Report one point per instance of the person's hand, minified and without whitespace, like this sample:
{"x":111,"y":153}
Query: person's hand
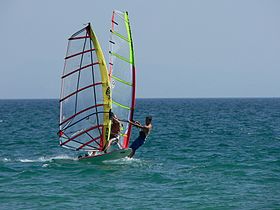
{"x":111,"y":115}
{"x":137,"y":122}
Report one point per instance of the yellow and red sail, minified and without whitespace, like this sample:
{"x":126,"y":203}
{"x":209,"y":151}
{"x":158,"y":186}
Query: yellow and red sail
{"x":85,"y":99}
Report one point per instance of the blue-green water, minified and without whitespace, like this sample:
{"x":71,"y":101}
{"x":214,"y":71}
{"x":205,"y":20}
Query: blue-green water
{"x":201,"y":154}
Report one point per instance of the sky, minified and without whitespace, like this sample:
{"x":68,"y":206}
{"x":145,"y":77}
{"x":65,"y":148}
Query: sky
{"x":183,"y":48}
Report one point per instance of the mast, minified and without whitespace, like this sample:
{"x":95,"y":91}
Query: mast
{"x":131,"y":55}
{"x":105,"y":87}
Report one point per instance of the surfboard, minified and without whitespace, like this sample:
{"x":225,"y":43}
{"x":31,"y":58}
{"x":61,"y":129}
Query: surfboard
{"x":114,"y":155}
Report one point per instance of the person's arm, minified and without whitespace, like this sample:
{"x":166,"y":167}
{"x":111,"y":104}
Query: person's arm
{"x":116,"y":119}
{"x":136,"y":123}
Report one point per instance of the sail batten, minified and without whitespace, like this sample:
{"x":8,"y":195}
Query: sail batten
{"x":79,"y":53}
{"x":122,"y":81}
{"x":81,"y":37}
{"x":79,"y":69}
{"x":81,"y":89}
{"x":121,"y":36}
{"x":121,"y":57}
{"x":121,"y":105}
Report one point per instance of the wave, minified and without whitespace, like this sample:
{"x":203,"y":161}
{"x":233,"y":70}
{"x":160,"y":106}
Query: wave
{"x":48,"y":159}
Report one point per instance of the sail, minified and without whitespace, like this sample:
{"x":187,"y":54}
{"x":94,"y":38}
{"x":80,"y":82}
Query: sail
{"x":85,"y":99}
{"x":122,"y":72}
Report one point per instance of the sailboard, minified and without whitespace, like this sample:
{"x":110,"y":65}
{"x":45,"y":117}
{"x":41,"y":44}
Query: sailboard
{"x":90,"y":92}
{"x":113,"y":155}
{"x":85,"y":99}
{"x":122,"y":72}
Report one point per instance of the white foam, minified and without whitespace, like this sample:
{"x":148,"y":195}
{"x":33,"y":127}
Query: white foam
{"x":47,"y":159}
{"x":26,"y":161}
{"x":124,"y":161}
{"x":5,"y":159}
{"x":61,"y":157}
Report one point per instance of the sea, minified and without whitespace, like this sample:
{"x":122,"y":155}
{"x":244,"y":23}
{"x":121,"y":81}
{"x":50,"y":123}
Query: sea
{"x":201,"y":154}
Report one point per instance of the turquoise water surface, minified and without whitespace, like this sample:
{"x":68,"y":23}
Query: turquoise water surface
{"x":201,"y":154}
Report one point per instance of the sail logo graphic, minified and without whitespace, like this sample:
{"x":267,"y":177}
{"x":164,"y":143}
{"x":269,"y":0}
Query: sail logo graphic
{"x":108,"y":92}
{"x":113,"y":83}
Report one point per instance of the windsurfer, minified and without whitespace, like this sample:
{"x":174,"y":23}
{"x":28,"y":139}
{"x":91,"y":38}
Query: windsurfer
{"x":115,"y":130}
{"x":144,"y":132}
{"x":115,"y":126}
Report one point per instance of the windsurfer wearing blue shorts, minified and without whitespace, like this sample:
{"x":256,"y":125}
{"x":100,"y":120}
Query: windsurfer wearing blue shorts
{"x":144,"y":132}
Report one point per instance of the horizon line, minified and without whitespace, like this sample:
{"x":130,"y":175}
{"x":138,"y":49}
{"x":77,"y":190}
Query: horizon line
{"x":223,"y":97}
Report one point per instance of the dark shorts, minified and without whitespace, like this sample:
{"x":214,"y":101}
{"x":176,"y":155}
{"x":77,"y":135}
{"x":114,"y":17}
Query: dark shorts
{"x":138,"y":142}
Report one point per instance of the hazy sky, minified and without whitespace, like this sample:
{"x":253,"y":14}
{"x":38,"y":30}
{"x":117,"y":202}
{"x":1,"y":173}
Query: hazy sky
{"x":183,"y":48}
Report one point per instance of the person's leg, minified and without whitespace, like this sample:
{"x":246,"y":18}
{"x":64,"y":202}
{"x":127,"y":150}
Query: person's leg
{"x":131,"y":154}
{"x":135,"y":145}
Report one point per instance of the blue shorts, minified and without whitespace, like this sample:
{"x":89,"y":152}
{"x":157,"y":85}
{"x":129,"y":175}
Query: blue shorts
{"x":138,"y":142}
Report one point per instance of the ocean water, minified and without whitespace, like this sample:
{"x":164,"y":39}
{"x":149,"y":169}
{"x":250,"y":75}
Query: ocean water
{"x":201,"y":154}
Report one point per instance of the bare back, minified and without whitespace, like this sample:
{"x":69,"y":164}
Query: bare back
{"x":116,"y":127}
{"x":147,"y":129}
